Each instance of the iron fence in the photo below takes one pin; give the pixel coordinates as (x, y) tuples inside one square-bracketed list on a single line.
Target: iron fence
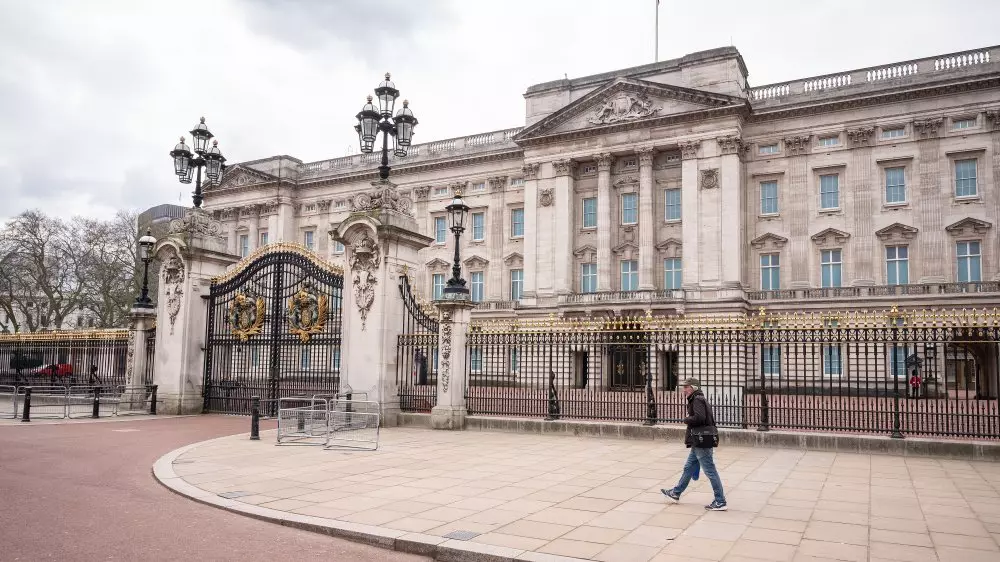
[(416, 354), (147, 376), (895, 373), (64, 358)]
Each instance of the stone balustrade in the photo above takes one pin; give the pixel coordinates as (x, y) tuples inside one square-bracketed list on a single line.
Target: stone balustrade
[(498, 305), (612, 297), (774, 94), (457, 147), (877, 291)]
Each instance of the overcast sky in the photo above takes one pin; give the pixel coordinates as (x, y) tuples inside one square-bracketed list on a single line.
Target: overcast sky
[(94, 93)]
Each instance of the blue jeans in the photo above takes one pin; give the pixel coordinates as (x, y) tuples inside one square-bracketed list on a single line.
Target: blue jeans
[(704, 458)]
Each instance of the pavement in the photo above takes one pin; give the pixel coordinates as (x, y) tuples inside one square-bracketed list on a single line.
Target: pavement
[(545, 497), (83, 490)]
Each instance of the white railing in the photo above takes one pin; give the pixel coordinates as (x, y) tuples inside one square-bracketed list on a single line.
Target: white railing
[(891, 72), (441, 146), (498, 305), (624, 296), (958, 61), (876, 291), (479, 140), (826, 83), (770, 92)]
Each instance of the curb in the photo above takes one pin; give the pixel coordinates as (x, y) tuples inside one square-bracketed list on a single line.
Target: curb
[(812, 441), (438, 548)]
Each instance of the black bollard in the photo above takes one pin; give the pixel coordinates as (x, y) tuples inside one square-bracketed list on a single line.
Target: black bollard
[(255, 418), (97, 403), (26, 412), (152, 400)]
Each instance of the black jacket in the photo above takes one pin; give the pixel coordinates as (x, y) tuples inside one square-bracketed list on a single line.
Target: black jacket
[(699, 415)]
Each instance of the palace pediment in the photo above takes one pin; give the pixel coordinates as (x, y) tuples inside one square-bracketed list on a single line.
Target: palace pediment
[(241, 176), (626, 103)]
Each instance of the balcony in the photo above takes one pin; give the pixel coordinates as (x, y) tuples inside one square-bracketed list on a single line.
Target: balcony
[(622, 297), (876, 291), (497, 305)]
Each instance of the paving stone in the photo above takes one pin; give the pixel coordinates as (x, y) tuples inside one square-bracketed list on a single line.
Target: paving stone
[(965, 541), (760, 550), (596, 534), (698, 548), (575, 549), (833, 550), (772, 536)]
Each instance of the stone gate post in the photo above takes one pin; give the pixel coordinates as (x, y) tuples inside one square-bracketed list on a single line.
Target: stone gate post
[(142, 319), (381, 241), (453, 373), (191, 254)]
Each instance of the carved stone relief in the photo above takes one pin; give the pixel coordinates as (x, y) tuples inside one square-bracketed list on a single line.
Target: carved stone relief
[(497, 183), (383, 195), (797, 144), (690, 149), (861, 136), (563, 167), (710, 178), (769, 241), (896, 232), (830, 237), (730, 145), (530, 171), (546, 197), (624, 107), (445, 349), (324, 205), (421, 193), (604, 161), (645, 155), (172, 274), (364, 264), (968, 227), (196, 221), (928, 127)]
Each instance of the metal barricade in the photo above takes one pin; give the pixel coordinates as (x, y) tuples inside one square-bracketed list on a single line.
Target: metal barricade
[(302, 421), (8, 401), (133, 400), (353, 424), (80, 401), (46, 401)]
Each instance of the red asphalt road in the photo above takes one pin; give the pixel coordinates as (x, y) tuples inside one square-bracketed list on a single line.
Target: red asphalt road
[(85, 491)]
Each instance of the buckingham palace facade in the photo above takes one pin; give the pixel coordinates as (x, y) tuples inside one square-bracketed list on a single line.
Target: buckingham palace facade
[(677, 187)]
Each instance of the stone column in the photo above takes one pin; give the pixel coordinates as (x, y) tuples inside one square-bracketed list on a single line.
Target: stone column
[(141, 320), (934, 258), (530, 240), (691, 276), (730, 241), (992, 242), (381, 240), (863, 191), (253, 227), (604, 221), (190, 256), (497, 228), (647, 220), (561, 202), (285, 227), (451, 411)]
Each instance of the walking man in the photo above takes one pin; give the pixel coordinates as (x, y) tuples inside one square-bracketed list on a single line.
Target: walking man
[(701, 437)]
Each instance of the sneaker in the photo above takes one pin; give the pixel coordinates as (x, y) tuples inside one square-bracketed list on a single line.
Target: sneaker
[(671, 494), (717, 506)]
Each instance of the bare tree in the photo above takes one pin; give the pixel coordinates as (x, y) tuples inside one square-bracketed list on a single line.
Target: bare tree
[(114, 274)]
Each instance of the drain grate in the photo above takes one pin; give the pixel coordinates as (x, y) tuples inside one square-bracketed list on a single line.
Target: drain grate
[(235, 494), (461, 535)]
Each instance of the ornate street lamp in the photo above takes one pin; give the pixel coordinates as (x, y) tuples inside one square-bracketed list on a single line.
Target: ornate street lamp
[(210, 158), (457, 211), (146, 244), (372, 119)]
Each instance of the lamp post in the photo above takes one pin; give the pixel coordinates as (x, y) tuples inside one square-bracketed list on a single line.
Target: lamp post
[(372, 119), (210, 158), (457, 211), (146, 244)]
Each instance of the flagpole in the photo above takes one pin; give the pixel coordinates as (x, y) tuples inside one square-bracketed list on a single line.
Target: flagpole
[(656, 52)]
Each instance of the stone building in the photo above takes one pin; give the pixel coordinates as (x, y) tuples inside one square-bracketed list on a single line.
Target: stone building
[(677, 187)]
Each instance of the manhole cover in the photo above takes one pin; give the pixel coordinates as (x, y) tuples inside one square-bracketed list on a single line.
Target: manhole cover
[(235, 494), (461, 535)]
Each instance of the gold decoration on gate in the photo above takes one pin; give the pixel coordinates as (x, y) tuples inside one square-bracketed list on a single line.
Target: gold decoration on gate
[(246, 315), (307, 312)]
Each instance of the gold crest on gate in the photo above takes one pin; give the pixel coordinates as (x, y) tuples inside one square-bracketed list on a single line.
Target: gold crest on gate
[(307, 312), (246, 316)]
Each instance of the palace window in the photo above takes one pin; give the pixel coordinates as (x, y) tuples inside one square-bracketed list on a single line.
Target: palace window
[(672, 203), (517, 222), (630, 208), (588, 278), (440, 230), (630, 275), (338, 248), (308, 239), (478, 226), (833, 364), (895, 185), (517, 182), (479, 186), (476, 360), (969, 262), (965, 178), (768, 197), (770, 360), (769, 148), (964, 123), (438, 286), (441, 191), (516, 284), (893, 132), (590, 212), (897, 361), (897, 265), (829, 141), (830, 267), (244, 245), (589, 169), (477, 286), (515, 360), (304, 358), (770, 272), (672, 274), (263, 239), (829, 191)]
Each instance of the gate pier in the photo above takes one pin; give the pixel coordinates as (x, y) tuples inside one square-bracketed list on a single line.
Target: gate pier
[(191, 254)]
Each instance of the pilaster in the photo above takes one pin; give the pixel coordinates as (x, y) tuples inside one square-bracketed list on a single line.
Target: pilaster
[(530, 232), (729, 243), (450, 411), (800, 211), (862, 190), (647, 220), (141, 320), (494, 284), (560, 205), (992, 243), (933, 239), (690, 209), (604, 221)]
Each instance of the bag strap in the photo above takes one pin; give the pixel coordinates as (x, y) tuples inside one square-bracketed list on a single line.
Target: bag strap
[(709, 414)]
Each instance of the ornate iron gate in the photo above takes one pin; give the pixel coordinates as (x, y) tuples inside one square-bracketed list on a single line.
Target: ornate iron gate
[(416, 354), (274, 330)]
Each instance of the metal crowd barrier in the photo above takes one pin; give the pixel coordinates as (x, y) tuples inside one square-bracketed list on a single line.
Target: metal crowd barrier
[(8, 401), (47, 402), (81, 401), (302, 421), (328, 421), (133, 400)]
